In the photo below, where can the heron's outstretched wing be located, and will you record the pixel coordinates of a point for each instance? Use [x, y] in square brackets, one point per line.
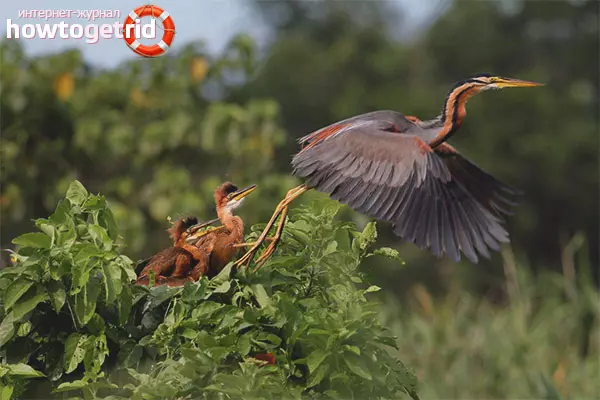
[392, 175]
[496, 196]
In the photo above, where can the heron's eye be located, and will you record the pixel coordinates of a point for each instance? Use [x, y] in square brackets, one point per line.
[493, 79]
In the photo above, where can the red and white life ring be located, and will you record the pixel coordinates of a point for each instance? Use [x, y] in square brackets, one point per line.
[159, 48]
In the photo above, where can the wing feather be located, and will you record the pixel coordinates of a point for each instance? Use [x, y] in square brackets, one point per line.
[433, 197]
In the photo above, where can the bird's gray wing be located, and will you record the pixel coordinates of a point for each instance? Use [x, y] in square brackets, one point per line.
[396, 177]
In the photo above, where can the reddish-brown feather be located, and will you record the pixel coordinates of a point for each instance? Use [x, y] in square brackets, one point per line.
[320, 135]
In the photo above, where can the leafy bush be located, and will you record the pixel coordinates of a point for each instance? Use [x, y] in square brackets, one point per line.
[72, 322]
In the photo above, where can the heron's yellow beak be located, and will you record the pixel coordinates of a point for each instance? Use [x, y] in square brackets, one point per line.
[240, 194]
[195, 228]
[509, 82]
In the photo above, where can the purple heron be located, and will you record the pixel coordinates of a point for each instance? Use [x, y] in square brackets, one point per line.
[400, 170]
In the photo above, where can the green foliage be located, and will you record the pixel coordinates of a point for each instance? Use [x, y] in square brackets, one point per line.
[67, 280]
[72, 322]
[544, 345]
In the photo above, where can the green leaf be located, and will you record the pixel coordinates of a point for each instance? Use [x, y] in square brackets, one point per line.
[389, 253]
[100, 236]
[222, 277]
[36, 239]
[14, 292]
[96, 352]
[58, 295]
[315, 359]
[61, 214]
[7, 329]
[130, 355]
[76, 193]
[223, 288]
[206, 309]
[356, 365]
[48, 230]
[29, 301]
[352, 349]
[125, 304]
[85, 301]
[24, 329]
[261, 295]
[75, 385]
[372, 288]
[316, 377]
[6, 392]
[74, 352]
[94, 203]
[107, 220]
[331, 248]
[244, 344]
[112, 282]
[388, 341]
[367, 236]
[24, 370]
[96, 324]
[274, 340]
[66, 238]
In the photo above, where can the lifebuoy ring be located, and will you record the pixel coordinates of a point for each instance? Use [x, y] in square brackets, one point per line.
[168, 26]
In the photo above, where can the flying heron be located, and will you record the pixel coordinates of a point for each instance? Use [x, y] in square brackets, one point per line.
[400, 169]
[196, 251]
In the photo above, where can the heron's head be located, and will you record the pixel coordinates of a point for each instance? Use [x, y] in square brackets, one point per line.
[229, 196]
[487, 81]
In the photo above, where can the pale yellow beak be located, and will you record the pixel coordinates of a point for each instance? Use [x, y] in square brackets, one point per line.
[509, 82]
[240, 194]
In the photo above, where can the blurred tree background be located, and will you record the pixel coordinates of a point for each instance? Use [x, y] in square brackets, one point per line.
[156, 136]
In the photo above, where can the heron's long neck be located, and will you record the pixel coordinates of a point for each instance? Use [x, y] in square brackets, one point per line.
[234, 224]
[454, 111]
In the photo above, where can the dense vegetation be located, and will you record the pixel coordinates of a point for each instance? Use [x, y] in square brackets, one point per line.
[157, 136]
[72, 321]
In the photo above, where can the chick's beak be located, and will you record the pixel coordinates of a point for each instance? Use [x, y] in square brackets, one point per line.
[509, 82]
[240, 194]
[194, 228]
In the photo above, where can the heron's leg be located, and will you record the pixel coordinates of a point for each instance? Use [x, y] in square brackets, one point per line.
[289, 197]
[275, 240]
[250, 244]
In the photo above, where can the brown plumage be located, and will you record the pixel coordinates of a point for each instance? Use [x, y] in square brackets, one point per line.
[400, 170]
[225, 240]
[175, 262]
[196, 253]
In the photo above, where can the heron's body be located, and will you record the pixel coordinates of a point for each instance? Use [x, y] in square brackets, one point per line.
[399, 169]
[222, 242]
[196, 253]
[173, 262]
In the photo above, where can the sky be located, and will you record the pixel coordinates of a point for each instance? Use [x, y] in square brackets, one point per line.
[213, 21]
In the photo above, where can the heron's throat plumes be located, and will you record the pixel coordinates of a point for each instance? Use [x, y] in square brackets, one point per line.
[454, 109]
[233, 223]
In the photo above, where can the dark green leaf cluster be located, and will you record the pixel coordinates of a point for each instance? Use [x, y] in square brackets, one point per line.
[71, 316]
[69, 282]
